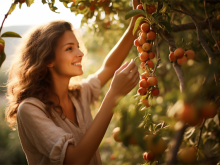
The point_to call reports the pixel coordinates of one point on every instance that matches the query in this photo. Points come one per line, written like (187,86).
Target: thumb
(122,67)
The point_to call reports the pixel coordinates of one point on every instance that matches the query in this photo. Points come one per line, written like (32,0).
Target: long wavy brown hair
(29,75)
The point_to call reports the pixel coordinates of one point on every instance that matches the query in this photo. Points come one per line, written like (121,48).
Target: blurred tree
(190,25)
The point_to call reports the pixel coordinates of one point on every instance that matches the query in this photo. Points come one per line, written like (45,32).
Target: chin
(78,74)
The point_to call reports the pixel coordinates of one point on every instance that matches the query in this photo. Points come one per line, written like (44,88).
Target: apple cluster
(155,147)
(193,116)
(187,155)
(118,138)
(94,3)
(149,8)
(180,56)
(148,83)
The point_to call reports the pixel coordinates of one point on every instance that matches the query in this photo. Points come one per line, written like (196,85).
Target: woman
(54,121)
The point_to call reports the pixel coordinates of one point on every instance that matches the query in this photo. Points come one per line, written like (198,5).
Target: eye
(69,48)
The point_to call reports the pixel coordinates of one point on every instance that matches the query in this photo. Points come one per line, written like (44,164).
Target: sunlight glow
(37,13)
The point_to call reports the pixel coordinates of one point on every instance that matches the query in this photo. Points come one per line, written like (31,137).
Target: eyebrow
(70,44)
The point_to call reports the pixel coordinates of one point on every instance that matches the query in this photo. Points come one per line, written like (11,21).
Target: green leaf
(44,1)
(2,42)
(2,58)
(29,2)
(11,34)
(144,6)
(13,6)
(201,154)
(20,4)
(65,4)
(166,25)
(164,8)
(52,7)
(137,23)
(155,15)
(133,13)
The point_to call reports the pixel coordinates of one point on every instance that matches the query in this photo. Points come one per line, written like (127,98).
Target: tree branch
(171,157)
(200,39)
(191,26)
(197,17)
(179,134)
(169,39)
(158,54)
(210,26)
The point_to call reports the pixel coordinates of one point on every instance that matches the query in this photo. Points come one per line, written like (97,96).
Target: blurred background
(98,46)
(100,36)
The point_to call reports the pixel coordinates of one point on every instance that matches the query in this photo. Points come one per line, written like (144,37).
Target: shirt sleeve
(41,131)
(91,88)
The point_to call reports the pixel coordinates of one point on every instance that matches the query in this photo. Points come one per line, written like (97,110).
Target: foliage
(106,23)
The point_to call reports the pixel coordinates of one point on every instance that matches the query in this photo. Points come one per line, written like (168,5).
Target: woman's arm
(118,53)
(124,80)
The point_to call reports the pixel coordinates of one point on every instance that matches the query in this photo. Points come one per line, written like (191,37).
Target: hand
(125,79)
(135,3)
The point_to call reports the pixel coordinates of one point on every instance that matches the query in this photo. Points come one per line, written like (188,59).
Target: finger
(135,3)
(137,78)
(134,71)
(134,79)
(129,67)
(137,81)
(122,67)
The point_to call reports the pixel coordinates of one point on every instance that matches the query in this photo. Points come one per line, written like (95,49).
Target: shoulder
(31,105)
(91,82)
(91,88)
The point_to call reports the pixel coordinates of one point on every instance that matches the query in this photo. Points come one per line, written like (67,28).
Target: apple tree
(174,115)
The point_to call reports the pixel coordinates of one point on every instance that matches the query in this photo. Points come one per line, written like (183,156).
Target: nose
(80,53)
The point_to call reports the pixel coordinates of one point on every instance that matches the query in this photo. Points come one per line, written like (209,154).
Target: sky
(36,14)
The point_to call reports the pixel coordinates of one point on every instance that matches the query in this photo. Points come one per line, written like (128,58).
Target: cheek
(63,63)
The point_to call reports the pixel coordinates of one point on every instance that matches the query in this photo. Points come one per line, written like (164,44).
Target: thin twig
(172,17)
(158,54)
(200,133)
(210,26)
(6,15)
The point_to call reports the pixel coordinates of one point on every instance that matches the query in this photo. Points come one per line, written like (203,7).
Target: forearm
(85,149)
(119,52)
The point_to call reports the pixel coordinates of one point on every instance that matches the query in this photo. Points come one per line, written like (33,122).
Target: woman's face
(68,56)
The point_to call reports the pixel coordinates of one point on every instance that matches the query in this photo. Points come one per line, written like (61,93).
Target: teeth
(77,63)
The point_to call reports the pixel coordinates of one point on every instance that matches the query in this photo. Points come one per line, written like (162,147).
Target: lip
(76,62)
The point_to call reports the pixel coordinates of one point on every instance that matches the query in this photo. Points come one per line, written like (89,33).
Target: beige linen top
(44,140)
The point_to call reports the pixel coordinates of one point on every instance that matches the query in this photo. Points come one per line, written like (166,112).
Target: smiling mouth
(77,64)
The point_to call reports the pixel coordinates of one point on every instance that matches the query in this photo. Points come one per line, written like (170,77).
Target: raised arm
(118,53)
(124,80)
